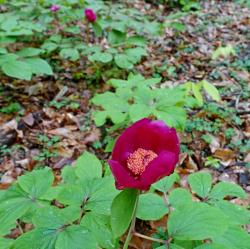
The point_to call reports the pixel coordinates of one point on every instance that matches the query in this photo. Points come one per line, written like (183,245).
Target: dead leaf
(65,132)
(224,154)
(215,143)
(29,119)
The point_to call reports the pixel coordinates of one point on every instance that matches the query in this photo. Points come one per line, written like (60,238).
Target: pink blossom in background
(90,15)
(55,8)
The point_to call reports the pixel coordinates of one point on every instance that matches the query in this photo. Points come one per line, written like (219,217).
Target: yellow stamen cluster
(139,160)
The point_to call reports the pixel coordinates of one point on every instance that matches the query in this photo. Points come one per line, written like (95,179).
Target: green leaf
(6,58)
(196,91)
(201,183)
(70,53)
(100,117)
(123,61)
(150,82)
(211,90)
(69,175)
(136,40)
(135,54)
(52,217)
(5,243)
(49,46)
(138,111)
(39,66)
(196,221)
(42,238)
(71,195)
(116,37)
(97,29)
(122,210)
(17,69)
(223,189)
(171,246)
(166,183)
(10,211)
(223,51)
(179,197)
(88,167)
(99,226)
(174,246)
(145,210)
(100,199)
(37,182)
(102,57)
(9,23)
(238,215)
(29,52)
(234,238)
(173,116)
(211,246)
(116,116)
(51,194)
(178,26)
(115,108)
(3,51)
(76,237)
(187,244)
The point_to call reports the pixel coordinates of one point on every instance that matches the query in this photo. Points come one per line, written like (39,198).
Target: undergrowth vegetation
(79,77)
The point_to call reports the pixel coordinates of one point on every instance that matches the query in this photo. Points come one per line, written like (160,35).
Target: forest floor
(51,119)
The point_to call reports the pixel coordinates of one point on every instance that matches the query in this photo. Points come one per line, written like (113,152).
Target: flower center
(139,160)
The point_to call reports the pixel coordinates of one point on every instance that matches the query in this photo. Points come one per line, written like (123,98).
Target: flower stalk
(132,224)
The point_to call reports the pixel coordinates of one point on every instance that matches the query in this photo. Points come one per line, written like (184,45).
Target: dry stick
(19,227)
(150,238)
(165,199)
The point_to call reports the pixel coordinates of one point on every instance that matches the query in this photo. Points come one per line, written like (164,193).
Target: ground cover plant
(124,124)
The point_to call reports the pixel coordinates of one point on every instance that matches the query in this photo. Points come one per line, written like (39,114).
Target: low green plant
(13,107)
(125,57)
(200,124)
(83,222)
(186,5)
(137,97)
(80,211)
(212,162)
(65,102)
(224,51)
(49,146)
(4,150)
(23,64)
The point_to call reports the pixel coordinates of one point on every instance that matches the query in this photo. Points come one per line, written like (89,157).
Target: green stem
(132,224)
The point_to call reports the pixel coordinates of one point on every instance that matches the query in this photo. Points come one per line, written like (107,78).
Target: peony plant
(143,154)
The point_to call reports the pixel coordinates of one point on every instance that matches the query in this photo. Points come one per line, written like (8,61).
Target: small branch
(87,33)
(82,210)
(165,199)
(19,227)
(168,242)
(150,238)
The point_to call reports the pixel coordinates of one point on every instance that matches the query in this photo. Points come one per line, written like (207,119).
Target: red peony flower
(90,15)
(55,8)
(143,154)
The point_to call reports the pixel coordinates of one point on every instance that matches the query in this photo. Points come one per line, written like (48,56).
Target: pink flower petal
(122,177)
(160,167)
(146,134)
